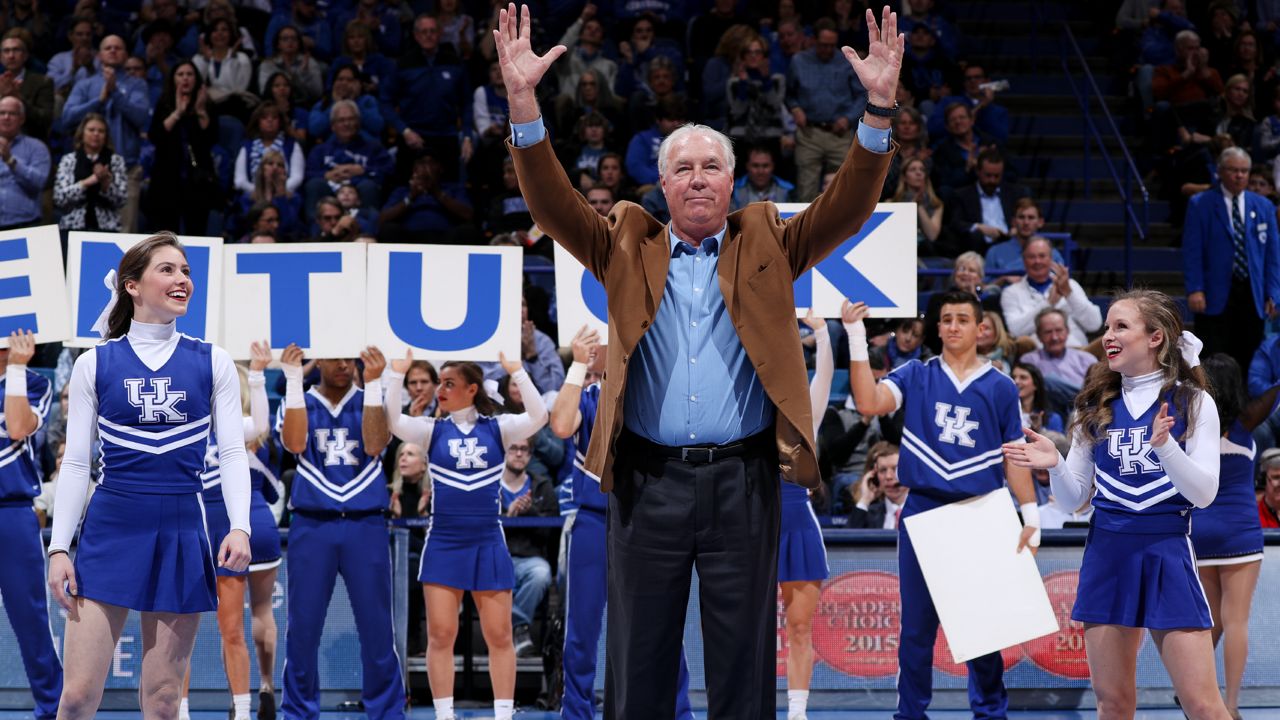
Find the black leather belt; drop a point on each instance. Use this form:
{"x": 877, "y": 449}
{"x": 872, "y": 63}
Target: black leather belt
{"x": 338, "y": 514}
{"x": 701, "y": 454}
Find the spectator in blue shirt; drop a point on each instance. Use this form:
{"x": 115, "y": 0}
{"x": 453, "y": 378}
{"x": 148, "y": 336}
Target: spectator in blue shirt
{"x": 921, "y": 12}
{"x": 760, "y": 184}
{"x": 824, "y": 97}
{"x": 345, "y": 157}
{"x": 347, "y": 85}
{"x": 373, "y": 68}
{"x": 309, "y": 20}
{"x": 125, "y": 102}
{"x": 432, "y": 98}
{"x": 79, "y": 62}
{"x": 1027, "y": 221}
{"x": 642, "y": 151}
{"x": 380, "y": 16}
{"x": 428, "y": 210}
{"x": 788, "y": 42}
{"x": 637, "y": 52}
{"x": 25, "y": 168}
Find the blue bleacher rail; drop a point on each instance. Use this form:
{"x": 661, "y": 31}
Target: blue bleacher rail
{"x": 1129, "y": 173}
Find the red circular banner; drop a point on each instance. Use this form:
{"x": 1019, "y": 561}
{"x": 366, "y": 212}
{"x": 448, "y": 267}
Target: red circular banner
{"x": 857, "y": 625}
{"x": 943, "y": 661}
{"x": 1062, "y": 653}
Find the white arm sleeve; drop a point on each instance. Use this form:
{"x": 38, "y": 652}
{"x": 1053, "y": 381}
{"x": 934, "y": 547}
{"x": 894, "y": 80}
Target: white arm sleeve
{"x": 1071, "y": 480}
{"x": 258, "y": 422}
{"x": 243, "y": 182}
{"x": 824, "y": 367}
{"x": 1194, "y": 472}
{"x": 416, "y": 430}
{"x": 82, "y": 427}
{"x": 228, "y": 423}
{"x": 524, "y": 425}
{"x": 1082, "y": 310}
{"x": 297, "y": 170}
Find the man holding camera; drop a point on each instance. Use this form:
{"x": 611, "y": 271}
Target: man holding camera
{"x": 989, "y": 118}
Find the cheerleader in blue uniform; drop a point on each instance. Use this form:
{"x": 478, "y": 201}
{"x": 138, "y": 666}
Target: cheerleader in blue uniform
{"x": 339, "y": 499}
{"x": 152, "y": 396}
{"x": 1146, "y": 447}
{"x": 264, "y": 543}
{"x": 572, "y": 416}
{"x": 958, "y": 411}
{"x": 802, "y": 558}
{"x": 1227, "y": 535}
{"x": 465, "y": 549}
{"x": 27, "y": 397}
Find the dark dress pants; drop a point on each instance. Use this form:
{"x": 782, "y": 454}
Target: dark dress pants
{"x": 1238, "y": 331}
{"x": 666, "y": 518}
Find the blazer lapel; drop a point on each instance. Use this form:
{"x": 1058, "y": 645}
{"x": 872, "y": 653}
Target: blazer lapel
{"x": 727, "y": 265}
{"x": 1220, "y": 205}
{"x": 656, "y": 254}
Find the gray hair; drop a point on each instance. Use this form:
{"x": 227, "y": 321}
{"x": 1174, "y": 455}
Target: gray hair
{"x": 1046, "y": 312}
{"x": 1234, "y": 152}
{"x": 1185, "y": 36}
{"x": 683, "y": 132}
{"x": 1270, "y": 459}
{"x": 22, "y": 106}
{"x": 971, "y": 257}
{"x": 348, "y": 104}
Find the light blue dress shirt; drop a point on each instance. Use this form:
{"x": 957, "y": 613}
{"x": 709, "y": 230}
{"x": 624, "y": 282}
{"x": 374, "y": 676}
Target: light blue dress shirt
{"x": 21, "y": 184}
{"x": 690, "y": 381}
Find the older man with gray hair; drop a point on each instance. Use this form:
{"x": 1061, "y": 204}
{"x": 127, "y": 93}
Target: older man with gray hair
{"x": 25, "y": 168}
{"x": 1231, "y": 261}
{"x": 706, "y": 401}
{"x": 346, "y": 157}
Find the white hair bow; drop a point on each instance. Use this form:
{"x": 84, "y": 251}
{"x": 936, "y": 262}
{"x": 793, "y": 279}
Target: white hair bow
{"x": 491, "y": 389}
{"x": 1190, "y": 345}
{"x": 103, "y": 322}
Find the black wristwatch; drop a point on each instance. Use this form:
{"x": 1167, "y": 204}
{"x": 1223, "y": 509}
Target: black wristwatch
{"x": 883, "y": 111}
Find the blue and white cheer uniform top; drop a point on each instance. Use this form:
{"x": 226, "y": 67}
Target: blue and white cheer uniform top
{"x": 1140, "y": 488}
{"x": 153, "y": 397}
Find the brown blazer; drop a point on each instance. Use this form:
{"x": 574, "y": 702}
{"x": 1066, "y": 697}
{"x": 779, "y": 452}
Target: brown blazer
{"x": 760, "y": 259}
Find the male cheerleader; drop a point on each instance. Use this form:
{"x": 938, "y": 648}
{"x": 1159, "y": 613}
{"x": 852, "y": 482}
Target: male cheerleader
{"x": 27, "y": 397}
{"x": 337, "y": 432}
{"x": 959, "y": 411}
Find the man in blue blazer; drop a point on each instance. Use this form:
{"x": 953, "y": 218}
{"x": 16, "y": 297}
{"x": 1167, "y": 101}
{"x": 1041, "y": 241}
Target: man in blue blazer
{"x": 1231, "y": 261}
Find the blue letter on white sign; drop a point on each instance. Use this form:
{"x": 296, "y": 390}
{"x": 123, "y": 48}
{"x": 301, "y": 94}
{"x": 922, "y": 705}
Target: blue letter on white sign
{"x": 290, "y": 283}
{"x": 404, "y": 311}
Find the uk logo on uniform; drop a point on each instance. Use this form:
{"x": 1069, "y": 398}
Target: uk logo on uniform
{"x": 955, "y": 428}
{"x": 468, "y": 453}
{"x": 339, "y": 450}
{"x": 158, "y": 405}
{"x": 1133, "y": 452}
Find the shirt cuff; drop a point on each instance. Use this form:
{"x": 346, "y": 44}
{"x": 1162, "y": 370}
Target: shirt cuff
{"x": 530, "y": 133}
{"x": 874, "y": 139}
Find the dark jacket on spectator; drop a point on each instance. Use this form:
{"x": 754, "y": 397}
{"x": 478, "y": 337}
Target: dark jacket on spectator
{"x": 965, "y": 209}
{"x": 431, "y": 94}
{"x": 949, "y": 174}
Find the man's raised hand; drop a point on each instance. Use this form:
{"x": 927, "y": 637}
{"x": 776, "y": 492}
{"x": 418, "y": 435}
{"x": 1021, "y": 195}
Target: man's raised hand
{"x": 878, "y": 71}
{"x": 521, "y": 67}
